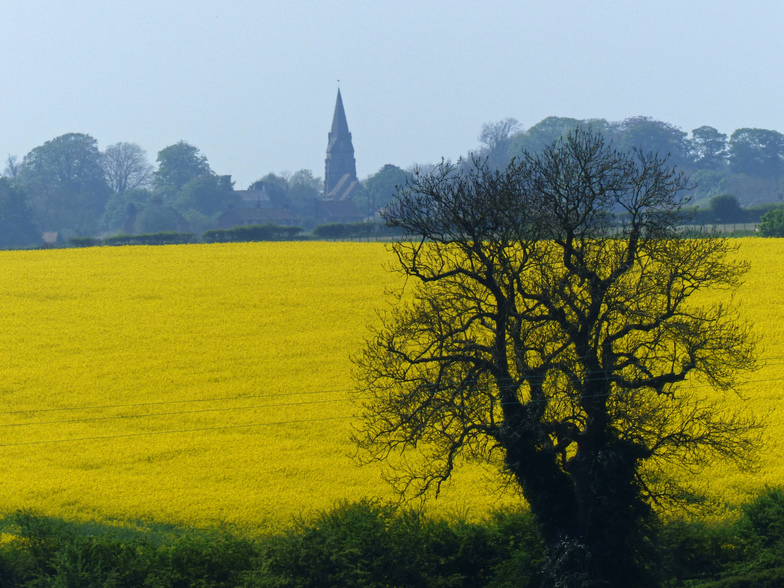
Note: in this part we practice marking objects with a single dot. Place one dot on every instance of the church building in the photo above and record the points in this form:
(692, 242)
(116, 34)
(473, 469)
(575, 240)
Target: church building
(340, 174)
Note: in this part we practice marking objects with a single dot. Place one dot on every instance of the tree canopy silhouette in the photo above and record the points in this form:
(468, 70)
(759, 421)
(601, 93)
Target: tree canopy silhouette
(552, 327)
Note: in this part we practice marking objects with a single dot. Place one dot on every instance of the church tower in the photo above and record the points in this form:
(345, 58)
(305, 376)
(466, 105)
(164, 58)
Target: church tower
(340, 174)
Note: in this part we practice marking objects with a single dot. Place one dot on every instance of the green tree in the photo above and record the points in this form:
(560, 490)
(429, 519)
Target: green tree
(548, 130)
(647, 134)
(276, 187)
(772, 223)
(726, 209)
(208, 194)
(303, 191)
(708, 148)
(757, 152)
(157, 217)
(381, 187)
(542, 336)
(121, 210)
(706, 184)
(65, 183)
(203, 199)
(752, 190)
(17, 228)
(178, 164)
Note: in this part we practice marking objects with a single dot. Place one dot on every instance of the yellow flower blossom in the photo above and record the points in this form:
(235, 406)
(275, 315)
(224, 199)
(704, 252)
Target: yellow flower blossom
(207, 384)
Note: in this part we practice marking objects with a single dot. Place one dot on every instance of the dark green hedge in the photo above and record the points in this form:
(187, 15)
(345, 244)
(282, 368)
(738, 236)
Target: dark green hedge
(164, 238)
(363, 544)
(359, 230)
(84, 242)
(268, 232)
(374, 545)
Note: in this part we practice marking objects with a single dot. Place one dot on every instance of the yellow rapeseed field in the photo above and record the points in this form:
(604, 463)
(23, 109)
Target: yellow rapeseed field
(203, 384)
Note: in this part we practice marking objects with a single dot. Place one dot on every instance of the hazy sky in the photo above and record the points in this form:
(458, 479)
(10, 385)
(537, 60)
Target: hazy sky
(253, 83)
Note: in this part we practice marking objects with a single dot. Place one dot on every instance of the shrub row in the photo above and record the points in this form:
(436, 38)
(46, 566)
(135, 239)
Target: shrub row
(363, 544)
(355, 231)
(370, 544)
(268, 232)
(165, 238)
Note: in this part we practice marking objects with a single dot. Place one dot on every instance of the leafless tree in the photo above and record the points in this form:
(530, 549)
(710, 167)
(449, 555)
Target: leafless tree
(126, 167)
(496, 135)
(553, 329)
(12, 167)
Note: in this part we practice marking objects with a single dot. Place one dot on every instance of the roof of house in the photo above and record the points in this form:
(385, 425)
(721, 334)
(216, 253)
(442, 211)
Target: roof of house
(256, 216)
(338, 211)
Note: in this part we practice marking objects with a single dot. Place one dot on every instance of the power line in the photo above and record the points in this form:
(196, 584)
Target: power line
(277, 394)
(162, 402)
(156, 414)
(202, 429)
(175, 413)
(276, 405)
(169, 432)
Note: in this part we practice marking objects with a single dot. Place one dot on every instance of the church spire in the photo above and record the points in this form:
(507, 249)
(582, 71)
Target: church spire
(340, 174)
(339, 122)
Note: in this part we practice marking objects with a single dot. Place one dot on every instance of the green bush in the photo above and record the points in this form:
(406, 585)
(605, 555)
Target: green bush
(49, 553)
(758, 541)
(84, 242)
(772, 578)
(772, 223)
(690, 550)
(204, 560)
(360, 230)
(162, 238)
(369, 544)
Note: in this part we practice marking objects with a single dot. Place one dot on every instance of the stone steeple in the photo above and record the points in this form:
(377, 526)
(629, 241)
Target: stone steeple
(340, 174)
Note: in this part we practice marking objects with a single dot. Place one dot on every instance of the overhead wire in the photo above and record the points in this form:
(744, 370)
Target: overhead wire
(172, 413)
(194, 430)
(298, 393)
(246, 407)
(169, 432)
(161, 402)
(235, 408)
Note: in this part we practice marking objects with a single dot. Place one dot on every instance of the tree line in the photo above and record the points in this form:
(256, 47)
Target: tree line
(368, 544)
(748, 163)
(68, 185)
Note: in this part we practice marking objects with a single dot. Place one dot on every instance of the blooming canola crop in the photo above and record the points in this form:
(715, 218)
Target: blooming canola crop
(201, 384)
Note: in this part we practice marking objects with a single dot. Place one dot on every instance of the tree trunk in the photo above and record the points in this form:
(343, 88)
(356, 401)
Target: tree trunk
(592, 517)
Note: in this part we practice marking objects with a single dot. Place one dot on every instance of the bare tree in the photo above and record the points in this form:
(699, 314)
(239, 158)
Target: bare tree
(126, 167)
(545, 333)
(12, 167)
(497, 139)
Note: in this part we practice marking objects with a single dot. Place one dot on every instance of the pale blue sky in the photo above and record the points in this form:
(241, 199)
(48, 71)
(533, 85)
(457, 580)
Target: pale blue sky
(253, 83)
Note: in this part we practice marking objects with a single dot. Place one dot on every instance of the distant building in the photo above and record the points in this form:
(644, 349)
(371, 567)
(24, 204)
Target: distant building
(257, 216)
(340, 174)
(338, 211)
(254, 198)
(262, 204)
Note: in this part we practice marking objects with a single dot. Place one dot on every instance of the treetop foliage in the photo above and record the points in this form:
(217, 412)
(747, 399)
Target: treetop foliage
(65, 182)
(178, 164)
(772, 224)
(748, 164)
